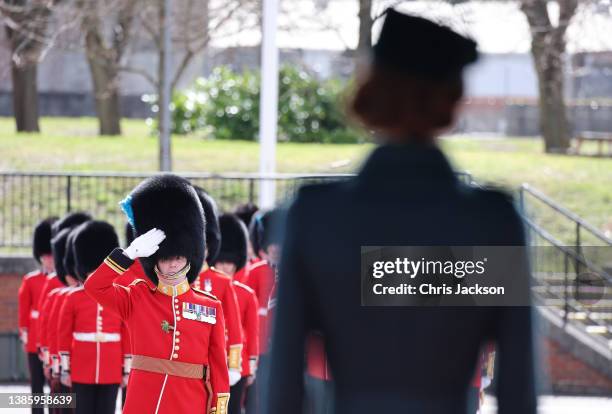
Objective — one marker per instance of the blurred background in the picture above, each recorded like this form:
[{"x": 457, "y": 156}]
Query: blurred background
[{"x": 97, "y": 94}]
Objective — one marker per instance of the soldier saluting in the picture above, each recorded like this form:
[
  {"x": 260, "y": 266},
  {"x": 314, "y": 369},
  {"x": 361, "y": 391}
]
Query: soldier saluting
[{"x": 177, "y": 333}]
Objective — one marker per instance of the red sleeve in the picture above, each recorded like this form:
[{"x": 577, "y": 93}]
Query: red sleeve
[
  {"x": 43, "y": 331},
  {"x": 101, "y": 288},
  {"x": 24, "y": 305},
  {"x": 126, "y": 344},
  {"x": 217, "y": 362},
  {"x": 231, "y": 311},
  {"x": 54, "y": 323},
  {"x": 66, "y": 327},
  {"x": 252, "y": 326}
]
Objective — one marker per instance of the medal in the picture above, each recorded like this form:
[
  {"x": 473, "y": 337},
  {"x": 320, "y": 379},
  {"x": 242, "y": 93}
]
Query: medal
[
  {"x": 166, "y": 327},
  {"x": 199, "y": 313},
  {"x": 207, "y": 285}
]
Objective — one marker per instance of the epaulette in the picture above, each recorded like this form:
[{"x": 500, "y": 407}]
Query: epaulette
[
  {"x": 210, "y": 295},
  {"x": 221, "y": 272},
  {"x": 137, "y": 281},
  {"x": 243, "y": 286},
  {"x": 33, "y": 273}
]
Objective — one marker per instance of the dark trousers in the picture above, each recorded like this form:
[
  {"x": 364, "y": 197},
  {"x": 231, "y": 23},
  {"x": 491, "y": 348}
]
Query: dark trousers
[
  {"x": 256, "y": 393},
  {"x": 473, "y": 400},
  {"x": 37, "y": 377},
  {"x": 64, "y": 390},
  {"x": 95, "y": 398},
  {"x": 318, "y": 396},
  {"x": 237, "y": 396}
]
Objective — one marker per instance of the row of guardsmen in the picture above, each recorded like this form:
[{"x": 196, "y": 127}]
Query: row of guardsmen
[
  {"x": 96, "y": 318},
  {"x": 93, "y": 336}
]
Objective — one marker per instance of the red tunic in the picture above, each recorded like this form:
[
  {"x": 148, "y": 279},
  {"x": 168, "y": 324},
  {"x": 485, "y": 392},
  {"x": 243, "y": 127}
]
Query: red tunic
[
  {"x": 28, "y": 299},
  {"x": 261, "y": 279},
  {"x": 43, "y": 325},
  {"x": 51, "y": 282},
  {"x": 92, "y": 337},
  {"x": 247, "y": 301},
  {"x": 219, "y": 284},
  {"x": 54, "y": 322},
  {"x": 160, "y": 330}
]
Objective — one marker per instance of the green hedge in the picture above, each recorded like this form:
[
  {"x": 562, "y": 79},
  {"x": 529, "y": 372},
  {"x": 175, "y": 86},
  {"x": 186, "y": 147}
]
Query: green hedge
[{"x": 226, "y": 106}]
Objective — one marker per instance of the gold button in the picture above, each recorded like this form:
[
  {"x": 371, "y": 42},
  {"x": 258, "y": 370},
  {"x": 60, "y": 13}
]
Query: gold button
[
  {"x": 178, "y": 332},
  {"x": 176, "y": 348},
  {"x": 178, "y": 318},
  {"x": 175, "y": 356},
  {"x": 177, "y": 340},
  {"x": 176, "y": 306},
  {"x": 175, "y": 300}
]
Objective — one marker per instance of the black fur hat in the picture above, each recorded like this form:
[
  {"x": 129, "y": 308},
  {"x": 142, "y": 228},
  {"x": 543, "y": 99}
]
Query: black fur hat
[
  {"x": 41, "y": 243},
  {"x": 213, "y": 234},
  {"x": 58, "y": 245},
  {"x": 129, "y": 234},
  {"x": 234, "y": 239},
  {"x": 69, "y": 260},
  {"x": 245, "y": 212},
  {"x": 170, "y": 203},
  {"x": 70, "y": 220},
  {"x": 266, "y": 229},
  {"x": 91, "y": 243}
]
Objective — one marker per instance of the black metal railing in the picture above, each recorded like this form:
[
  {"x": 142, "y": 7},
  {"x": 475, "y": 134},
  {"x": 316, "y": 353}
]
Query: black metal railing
[
  {"x": 572, "y": 269},
  {"x": 26, "y": 198}
]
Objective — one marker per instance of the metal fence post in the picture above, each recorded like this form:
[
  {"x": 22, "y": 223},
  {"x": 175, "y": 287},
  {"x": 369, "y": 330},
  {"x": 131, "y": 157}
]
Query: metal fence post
[{"x": 68, "y": 193}]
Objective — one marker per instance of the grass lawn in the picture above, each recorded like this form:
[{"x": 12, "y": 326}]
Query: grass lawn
[{"x": 582, "y": 184}]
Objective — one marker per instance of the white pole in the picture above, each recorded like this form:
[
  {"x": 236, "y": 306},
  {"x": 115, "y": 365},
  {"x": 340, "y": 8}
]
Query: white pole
[{"x": 268, "y": 115}]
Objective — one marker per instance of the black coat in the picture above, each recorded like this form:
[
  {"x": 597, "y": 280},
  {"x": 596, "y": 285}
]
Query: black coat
[{"x": 394, "y": 359}]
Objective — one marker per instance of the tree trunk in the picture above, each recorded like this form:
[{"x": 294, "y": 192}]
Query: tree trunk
[
  {"x": 554, "y": 123},
  {"x": 25, "y": 97},
  {"x": 548, "y": 47},
  {"x": 365, "y": 27},
  {"x": 106, "y": 92}
]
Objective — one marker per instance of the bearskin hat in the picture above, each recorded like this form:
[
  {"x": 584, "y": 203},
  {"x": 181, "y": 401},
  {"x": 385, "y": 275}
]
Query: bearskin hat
[
  {"x": 41, "y": 243},
  {"x": 213, "y": 234},
  {"x": 245, "y": 212},
  {"x": 129, "y": 234},
  {"x": 234, "y": 239},
  {"x": 170, "y": 203},
  {"x": 266, "y": 229},
  {"x": 69, "y": 260},
  {"x": 70, "y": 220},
  {"x": 58, "y": 246},
  {"x": 91, "y": 243}
]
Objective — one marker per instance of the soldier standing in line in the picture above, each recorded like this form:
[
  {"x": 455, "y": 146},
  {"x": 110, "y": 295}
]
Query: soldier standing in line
[
  {"x": 179, "y": 361},
  {"x": 90, "y": 342},
  {"x": 231, "y": 258},
  {"x": 213, "y": 281},
  {"x": 28, "y": 299}
]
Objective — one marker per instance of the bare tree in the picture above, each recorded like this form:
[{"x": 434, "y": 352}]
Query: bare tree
[
  {"x": 365, "y": 26},
  {"x": 26, "y": 24},
  {"x": 106, "y": 27},
  {"x": 548, "y": 47}
]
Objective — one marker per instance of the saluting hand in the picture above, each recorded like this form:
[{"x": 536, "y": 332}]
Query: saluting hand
[{"x": 145, "y": 245}]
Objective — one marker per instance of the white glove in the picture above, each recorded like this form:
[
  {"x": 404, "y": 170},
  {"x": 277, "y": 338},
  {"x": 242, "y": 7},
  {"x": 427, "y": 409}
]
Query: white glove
[
  {"x": 65, "y": 379},
  {"x": 234, "y": 376},
  {"x": 24, "y": 336},
  {"x": 55, "y": 366},
  {"x": 253, "y": 365},
  {"x": 145, "y": 245},
  {"x": 127, "y": 367}
]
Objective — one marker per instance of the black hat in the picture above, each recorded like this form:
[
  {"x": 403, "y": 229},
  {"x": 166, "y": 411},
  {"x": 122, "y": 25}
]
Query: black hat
[
  {"x": 41, "y": 243},
  {"x": 129, "y": 234},
  {"x": 213, "y": 234},
  {"x": 69, "y": 260},
  {"x": 234, "y": 239},
  {"x": 170, "y": 203},
  {"x": 70, "y": 220},
  {"x": 58, "y": 246},
  {"x": 91, "y": 243},
  {"x": 245, "y": 212},
  {"x": 265, "y": 229},
  {"x": 420, "y": 47}
]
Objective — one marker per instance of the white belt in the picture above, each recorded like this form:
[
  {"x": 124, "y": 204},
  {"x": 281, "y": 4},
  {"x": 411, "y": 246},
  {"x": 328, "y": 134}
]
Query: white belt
[
  {"x": 96, "y": 337},
  {"x": 34, "y": 314}
]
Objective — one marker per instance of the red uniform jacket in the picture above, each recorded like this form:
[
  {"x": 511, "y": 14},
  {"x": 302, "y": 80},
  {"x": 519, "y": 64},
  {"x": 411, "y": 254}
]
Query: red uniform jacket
[
  {"x": 92, "y": 338},
  {"x": 44, "y": 326},
  {"x": 261, "y": 279},
  {"x": 29, "y": 297},
  {"x": 162, "y": 326},
  {"x": 53, "y": 325},
  {"x": 219, "y": 284},
  {"x": 51, "y": 282},
  {"x": 247, "y": 302}
]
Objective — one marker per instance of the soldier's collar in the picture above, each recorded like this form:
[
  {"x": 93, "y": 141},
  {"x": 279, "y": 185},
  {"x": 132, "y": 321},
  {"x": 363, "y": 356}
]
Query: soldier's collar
[
  {"x": 205, "y": 267},
  {"x": 173, "y": 290}
]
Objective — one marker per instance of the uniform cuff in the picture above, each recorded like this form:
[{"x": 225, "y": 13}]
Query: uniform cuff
[
  {"x": 235, "y": 354},
  {"x": 118, "y": 261}
]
